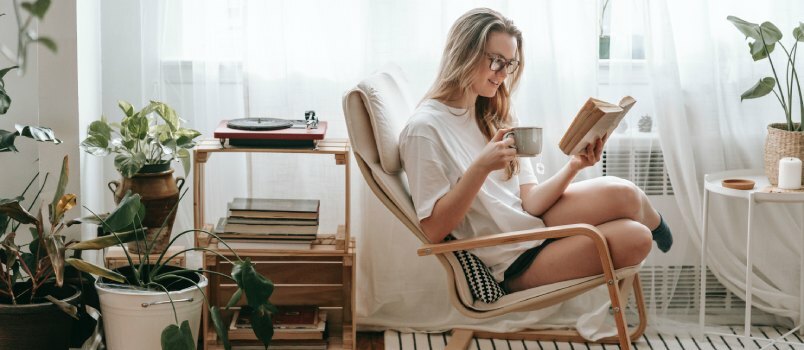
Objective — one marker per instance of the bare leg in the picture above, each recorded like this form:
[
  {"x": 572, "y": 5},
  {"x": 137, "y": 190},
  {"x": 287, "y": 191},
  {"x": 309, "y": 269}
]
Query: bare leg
[
  {"x": 601, "y": 200},
  {"x": 617, "y": 207},
  {"x": 628, "y": 240}
]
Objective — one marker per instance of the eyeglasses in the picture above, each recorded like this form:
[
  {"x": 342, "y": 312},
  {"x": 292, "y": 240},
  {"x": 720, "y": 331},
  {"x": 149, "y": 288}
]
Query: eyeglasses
[{"x": 498, "y": 63}]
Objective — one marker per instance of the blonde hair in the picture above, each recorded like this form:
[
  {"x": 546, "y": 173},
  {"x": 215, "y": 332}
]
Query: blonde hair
[{"x": 465, "y": 49}]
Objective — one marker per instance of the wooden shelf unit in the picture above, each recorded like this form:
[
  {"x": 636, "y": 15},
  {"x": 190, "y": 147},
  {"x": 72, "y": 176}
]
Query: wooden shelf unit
[{"x": 322, "y": 276}]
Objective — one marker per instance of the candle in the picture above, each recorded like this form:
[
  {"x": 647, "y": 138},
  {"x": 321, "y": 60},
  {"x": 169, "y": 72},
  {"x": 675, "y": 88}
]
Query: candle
[{"x": 789, "y": 173}]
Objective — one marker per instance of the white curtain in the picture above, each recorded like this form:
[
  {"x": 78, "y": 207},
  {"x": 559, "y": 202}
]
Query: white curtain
[
  {"x": 699, "y": 65},
  {"x": 215, "y": 60}
]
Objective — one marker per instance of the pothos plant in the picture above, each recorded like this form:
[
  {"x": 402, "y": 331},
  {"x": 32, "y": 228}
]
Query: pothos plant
[
  {"x": 141, "y": 139},
  {"x": 765, "y": 37},
  {"x": 124, "y": 225}
]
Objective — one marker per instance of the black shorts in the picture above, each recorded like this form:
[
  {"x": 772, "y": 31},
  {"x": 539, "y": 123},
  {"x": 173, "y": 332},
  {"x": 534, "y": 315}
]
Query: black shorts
[{"x": 524, "y": 261}]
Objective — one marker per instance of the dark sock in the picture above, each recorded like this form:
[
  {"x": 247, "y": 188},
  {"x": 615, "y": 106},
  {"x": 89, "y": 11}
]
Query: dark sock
[{"x": 663, "y": 236}]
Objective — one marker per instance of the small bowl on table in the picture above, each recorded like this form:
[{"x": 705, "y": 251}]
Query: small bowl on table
[{"x": 738, "y": 184}]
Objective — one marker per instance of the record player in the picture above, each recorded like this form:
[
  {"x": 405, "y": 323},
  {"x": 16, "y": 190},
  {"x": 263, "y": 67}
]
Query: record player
[{"x": 272, "y": 132}]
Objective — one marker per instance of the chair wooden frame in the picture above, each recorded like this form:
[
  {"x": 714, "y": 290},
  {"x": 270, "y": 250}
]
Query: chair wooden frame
[{"x": 618, "y": 288}]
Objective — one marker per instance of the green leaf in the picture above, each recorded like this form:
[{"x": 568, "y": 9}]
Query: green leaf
[
  {"x": 256, "y": 287},
  {"x": 6, "y": 70},
  {"x": 108, "y": 240},
  {"x": 235, "y": 298},
  {"x": 37, "y": 8},
  {"x": 184, "y": 157},
  {"x": 220, "y": 327},
  {"x": 10, "y": 248},
  {"x": 762, "y": 88},
  {"x": 48, "y": 43},
  {"x": 127, "y": 108},
  {"x": 751, "y": 30},
  {"x": 129, "y": 165},
  {"x": 168, "y": 115},
  {"x": 95, "y": 146},
  {"x": 137, "y": 127},
  {"x": 54, "y": 244},
  {"x": 7, "y": 141},
  {"x": 5, "y": 100},
  {"x": 95, "y": 270},
  {"x": 127, "y": 215},
  {"x": 64, "y": 177},
  {"x": 262, "y": 324},
  {"x": 770, "y": 33},
  {"x": 38, "y": 133},
  {"x": 758, "y": 52},
  {"x": 175, "y": 338},
  {"x": 101, "y": 129},
  {"x": 14, "y": 210},
  {"x": 798, "y": 32}
]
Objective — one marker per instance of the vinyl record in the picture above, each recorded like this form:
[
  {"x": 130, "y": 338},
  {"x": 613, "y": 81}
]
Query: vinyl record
[{"x": 259, "y": 124}]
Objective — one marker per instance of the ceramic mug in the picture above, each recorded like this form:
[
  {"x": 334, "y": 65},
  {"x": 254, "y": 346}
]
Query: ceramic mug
[{"x": 527, "y": 140}]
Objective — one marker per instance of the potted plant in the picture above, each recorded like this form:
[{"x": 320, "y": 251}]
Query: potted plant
[
  {"x": 36, "y": 289},
  {"x": 143, "y": 149},
  {"x": 150, "y": 304},
  {"x": 784, "y": 139}
]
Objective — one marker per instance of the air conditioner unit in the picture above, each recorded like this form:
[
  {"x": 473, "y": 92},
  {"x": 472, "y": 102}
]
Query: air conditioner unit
[{"x": 670, "y": 281}]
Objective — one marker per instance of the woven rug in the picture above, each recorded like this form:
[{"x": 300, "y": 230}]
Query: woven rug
[{"x": 651, "y": 340}]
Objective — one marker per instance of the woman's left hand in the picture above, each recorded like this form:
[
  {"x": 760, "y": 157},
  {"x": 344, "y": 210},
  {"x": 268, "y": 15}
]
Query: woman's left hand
[{"x": 592, "y": 155}]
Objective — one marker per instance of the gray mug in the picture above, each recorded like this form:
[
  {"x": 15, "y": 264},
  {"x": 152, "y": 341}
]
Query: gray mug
[{"x": 527, "y": 140}]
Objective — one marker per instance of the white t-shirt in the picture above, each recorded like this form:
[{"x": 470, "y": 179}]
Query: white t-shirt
[{"x": 437, "y": 146}]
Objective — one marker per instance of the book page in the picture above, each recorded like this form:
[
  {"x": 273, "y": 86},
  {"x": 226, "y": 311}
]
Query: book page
[{"x": 601, "y": 122}]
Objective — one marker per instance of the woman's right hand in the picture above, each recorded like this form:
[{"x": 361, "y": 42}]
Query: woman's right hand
[{"x": 497, "y": 153}]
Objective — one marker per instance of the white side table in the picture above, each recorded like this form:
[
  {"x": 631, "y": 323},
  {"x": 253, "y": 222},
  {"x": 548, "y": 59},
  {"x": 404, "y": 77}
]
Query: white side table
[{"x": 712, "y": 184}]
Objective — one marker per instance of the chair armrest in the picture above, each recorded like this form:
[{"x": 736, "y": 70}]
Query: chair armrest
[{"x": 517, "y": 237}]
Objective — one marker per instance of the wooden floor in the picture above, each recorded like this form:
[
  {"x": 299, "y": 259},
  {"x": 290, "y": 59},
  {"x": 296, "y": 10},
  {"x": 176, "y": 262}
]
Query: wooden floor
[{"x": 370, "y": 341}]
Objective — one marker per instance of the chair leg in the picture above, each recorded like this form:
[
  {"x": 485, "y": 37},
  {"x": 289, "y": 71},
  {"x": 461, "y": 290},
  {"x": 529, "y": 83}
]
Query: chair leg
[
  {"x": 619, "y": 315},
  {"x": 460, "y": 339}
]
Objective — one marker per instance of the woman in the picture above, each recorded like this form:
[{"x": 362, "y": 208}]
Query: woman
[{"x": 465, "y": 179}]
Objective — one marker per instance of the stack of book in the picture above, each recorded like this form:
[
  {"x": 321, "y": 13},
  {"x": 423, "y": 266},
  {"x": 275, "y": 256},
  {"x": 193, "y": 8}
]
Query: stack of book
[
  {"x": 266, "y": 223},
  {"x": 301, "y": 327}
]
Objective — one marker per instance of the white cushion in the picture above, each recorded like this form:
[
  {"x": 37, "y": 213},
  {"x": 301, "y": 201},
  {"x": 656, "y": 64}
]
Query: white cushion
[{"x": 389, "y": 107}]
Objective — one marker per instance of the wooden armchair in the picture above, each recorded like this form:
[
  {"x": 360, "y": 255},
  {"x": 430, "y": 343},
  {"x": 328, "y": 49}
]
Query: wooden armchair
[{"x": 375, "y": 111}]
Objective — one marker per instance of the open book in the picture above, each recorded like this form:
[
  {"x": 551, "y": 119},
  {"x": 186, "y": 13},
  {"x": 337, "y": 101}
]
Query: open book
[{"x": 595, "y": 119}]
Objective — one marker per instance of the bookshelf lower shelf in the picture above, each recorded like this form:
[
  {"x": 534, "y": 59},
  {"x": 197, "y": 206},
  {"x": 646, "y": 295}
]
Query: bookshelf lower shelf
[{"x": 323, "y": 276}]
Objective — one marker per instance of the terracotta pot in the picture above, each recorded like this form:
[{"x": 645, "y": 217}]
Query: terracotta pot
[
  {"x": 779, "y": 144},
  {"x": 160, "y": 193},
  {"x": 38, "y": 326}
]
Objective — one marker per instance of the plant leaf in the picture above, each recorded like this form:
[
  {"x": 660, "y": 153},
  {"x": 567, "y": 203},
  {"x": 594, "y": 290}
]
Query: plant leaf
[
  {"x": 11, "y": 249},
  {"x": 798, "y": 32},
  {"x": 761, "y": 88},
  {"x": 217, "y": 321},
  {"x": 95, "y": 270},
  {"x": 127, "y": 215},
  {"x": 127, "y": 108},
  {"x": 95, "y": 146},
  {"x": 64, "y": 177},
  {"x": 256, "y": 287},
  {"x": 770, "y": 33},
  {"x": 5, "y": 100},
  {"x": 48, "y": 43},
  {"x": 38, "y": 133},
  {"x": 167, "y": 114},
  {"x": 54, "y": 244},
  {"x": 7, "y": 141},
  {"x": 262, "y": 324},
  {"x": 235, "y": 298},
  {"x": 14, "y": 210},
  {"x": 108, "y": 240},
  {"x": 37, "y": 8},
  {"x": 758, "y": 52},
  {"x": 129, "y": 165},
  {"x": 68, "y": 308},
  {"x": 750, "y": 30},
  {"x": 184, "y": 157},
  {"x": 6, "y": 70},
  {"x": 178, "y": 338}
]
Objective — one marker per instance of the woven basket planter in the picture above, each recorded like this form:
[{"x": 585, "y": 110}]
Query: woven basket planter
[{"x": 781, "y": 143}]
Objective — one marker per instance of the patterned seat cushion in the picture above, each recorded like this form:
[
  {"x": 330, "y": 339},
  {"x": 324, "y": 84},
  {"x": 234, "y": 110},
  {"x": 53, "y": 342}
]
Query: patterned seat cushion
[{"x": 481, "y": 282}]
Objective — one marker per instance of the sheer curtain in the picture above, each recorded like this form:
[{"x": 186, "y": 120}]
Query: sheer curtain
[{"x": 698, "y": 67}]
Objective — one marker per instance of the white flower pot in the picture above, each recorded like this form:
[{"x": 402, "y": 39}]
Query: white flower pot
[{"x": 134, "y": 319}]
